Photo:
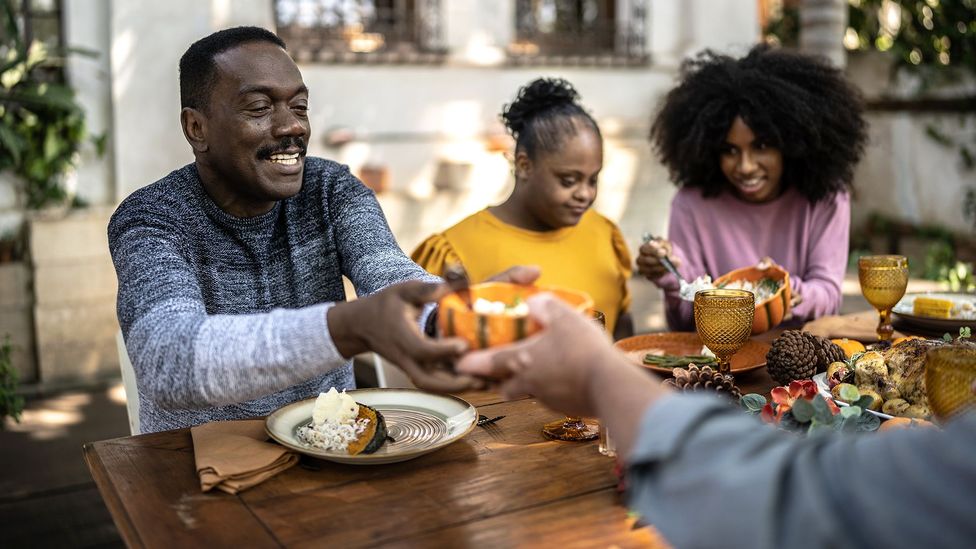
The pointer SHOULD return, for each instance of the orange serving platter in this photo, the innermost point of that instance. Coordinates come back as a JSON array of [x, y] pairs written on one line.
[[751, 356]]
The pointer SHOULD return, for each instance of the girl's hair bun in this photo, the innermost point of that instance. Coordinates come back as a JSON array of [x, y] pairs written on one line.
[[540, 95]]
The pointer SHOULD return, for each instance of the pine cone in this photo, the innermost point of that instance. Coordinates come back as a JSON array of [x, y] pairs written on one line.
[[827, 353], [693, 378], [794, 355]]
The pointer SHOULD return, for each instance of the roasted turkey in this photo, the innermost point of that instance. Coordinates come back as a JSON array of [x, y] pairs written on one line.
[[906, 368]]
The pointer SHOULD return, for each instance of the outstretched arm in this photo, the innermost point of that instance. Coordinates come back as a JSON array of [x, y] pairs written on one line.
[[187, 358], [708, 475]]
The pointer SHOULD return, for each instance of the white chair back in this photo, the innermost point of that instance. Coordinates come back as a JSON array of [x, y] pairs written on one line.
[[388, 375], [129, 382]]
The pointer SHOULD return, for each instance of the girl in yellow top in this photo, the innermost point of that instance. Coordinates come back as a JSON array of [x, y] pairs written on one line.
[[547, 220]]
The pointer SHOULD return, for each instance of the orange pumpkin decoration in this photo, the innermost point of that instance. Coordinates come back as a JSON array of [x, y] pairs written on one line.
[[482, 330], [905, 423], [771, 312], [850, 346]]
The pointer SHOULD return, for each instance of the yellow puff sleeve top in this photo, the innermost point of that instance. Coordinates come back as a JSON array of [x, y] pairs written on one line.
[[591, 256]]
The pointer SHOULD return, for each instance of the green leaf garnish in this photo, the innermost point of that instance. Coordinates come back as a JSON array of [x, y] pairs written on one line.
[[850, 411], [803, 411], [753, 402]]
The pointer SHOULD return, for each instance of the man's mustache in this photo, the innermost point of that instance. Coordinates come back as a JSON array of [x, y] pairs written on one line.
[[282, 146]]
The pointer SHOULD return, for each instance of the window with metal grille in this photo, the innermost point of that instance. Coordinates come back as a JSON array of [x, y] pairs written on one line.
[[349, 31], [580, 32]]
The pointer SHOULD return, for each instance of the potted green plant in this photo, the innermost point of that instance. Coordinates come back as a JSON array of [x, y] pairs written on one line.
[[42, 126]]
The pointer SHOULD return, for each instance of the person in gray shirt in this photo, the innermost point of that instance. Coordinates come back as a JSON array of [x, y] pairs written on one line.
[[231, 299], [706, 474]]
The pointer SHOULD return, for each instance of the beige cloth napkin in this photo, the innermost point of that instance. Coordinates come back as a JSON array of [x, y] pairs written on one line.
[[860, 326], [233, 455]]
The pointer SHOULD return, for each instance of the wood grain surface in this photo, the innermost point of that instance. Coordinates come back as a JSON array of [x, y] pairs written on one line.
[[504, 486]]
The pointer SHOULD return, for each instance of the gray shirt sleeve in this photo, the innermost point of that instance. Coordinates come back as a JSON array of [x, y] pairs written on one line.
[[185, 358], [708, 475]]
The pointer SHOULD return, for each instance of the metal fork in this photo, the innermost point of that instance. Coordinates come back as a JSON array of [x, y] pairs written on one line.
[[489, 425]]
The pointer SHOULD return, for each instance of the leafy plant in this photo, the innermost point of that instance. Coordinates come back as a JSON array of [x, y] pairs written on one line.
[[42, 126], [934, 40], [11, 404], [799, 407], [965, 332]]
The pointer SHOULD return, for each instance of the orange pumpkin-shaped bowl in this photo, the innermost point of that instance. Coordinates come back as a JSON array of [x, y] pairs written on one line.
[[482, 330], [769, 313]]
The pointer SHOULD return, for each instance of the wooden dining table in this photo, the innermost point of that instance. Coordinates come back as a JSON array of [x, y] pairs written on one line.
[[502, 486]]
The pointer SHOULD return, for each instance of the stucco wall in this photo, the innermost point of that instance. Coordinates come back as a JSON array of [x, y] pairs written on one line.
[[411, 118]]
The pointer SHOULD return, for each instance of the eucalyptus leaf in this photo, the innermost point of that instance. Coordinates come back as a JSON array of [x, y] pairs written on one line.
[[850, 411], [864, 402], [868, 422], [821, 411], [803, 411], [753, 402], [821, 427], [849, 424]]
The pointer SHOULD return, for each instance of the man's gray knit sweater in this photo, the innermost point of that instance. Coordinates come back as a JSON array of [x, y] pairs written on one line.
[[225, 318]]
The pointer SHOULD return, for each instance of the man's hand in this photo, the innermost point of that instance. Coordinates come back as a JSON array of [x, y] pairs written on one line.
[[386, 323]]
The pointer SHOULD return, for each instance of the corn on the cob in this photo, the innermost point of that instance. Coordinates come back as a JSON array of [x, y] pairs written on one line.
[[930, 306]]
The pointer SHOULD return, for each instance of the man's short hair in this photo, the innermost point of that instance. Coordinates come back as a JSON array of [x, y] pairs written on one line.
[[198, 72]]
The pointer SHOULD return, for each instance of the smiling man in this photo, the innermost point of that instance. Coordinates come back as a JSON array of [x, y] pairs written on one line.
[[230, 268]]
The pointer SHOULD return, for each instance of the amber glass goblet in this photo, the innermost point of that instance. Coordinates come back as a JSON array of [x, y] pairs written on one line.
[[950, 372], [575, 428], [723, 319], [883, 282]]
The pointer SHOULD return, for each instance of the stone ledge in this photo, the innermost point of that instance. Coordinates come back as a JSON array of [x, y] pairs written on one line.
[[78, 362], [18, 323], [68, 237], [15, 285], [82, 323], [82, 280]]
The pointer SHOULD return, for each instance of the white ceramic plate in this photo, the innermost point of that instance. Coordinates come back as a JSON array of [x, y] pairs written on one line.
[[824, 388], [418, 421], [905, 312]]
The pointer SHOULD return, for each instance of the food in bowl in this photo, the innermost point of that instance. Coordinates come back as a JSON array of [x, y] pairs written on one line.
[[518, 308], [502, 317], [764, 288], [771, 284], [340, 424]]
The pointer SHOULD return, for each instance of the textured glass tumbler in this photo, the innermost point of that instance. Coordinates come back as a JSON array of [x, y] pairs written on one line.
[[576, 428], [949, 376], [883, 281], [723, 319]]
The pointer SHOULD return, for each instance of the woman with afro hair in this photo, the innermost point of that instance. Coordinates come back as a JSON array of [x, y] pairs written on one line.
[[547, 220], [763, 150]]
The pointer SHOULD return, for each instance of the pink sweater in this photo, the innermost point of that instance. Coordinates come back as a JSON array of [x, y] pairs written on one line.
[[716, 235]]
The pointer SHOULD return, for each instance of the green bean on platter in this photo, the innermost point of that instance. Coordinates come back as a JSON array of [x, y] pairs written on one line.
[[679, 361]]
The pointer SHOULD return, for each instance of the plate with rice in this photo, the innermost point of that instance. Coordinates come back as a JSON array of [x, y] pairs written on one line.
[[417, 422]]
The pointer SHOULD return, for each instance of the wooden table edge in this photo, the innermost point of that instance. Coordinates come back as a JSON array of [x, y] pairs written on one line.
[[122, 520]]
